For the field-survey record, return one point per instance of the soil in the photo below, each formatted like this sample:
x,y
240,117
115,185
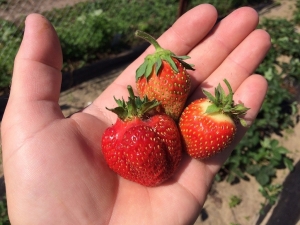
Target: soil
x,y
216,210
13,9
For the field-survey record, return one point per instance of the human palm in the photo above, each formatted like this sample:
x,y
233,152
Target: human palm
x,y
54,169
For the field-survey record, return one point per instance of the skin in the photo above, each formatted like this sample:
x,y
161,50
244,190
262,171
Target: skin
x,y
53,166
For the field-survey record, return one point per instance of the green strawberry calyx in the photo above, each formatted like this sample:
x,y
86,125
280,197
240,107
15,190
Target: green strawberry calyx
x,y
222,103
157,58
134,107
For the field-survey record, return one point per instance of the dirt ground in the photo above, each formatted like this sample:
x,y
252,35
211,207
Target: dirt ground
x,y
216,210
13,9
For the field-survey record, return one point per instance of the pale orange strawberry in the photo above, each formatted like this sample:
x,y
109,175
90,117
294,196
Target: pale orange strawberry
x,y
163,77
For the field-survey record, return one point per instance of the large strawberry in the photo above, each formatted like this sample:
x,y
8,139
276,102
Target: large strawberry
x,y
163,77
143,145
208,125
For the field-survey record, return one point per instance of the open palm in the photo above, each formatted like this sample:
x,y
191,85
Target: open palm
x,y
54,169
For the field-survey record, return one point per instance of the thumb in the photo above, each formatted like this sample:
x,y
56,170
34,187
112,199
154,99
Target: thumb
x,y
36,81
38,63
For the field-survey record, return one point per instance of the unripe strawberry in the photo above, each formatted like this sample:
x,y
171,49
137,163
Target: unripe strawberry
x,y
163,77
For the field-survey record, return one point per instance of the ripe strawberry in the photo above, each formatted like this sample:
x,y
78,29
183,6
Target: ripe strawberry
x,y
208,125
143,145
163,77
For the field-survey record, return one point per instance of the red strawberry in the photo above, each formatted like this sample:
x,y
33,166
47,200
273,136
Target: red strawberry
x,y
163,77
143,145
208,125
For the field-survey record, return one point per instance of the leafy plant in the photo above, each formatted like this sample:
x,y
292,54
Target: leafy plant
x,y
274,155
4,220
297,13
271,193
89,31
224,7
10,40
3,2
234,201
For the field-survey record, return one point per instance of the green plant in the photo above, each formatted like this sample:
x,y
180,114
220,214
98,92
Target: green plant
x,y
234,201
269,157
10,40
3,2
297,12
90,31
271,193
224,7
4,220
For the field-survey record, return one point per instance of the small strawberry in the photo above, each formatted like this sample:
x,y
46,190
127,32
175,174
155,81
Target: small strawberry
x,y
163,77
208,125
143,145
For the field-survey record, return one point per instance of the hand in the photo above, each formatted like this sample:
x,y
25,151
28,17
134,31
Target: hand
x,y
54,170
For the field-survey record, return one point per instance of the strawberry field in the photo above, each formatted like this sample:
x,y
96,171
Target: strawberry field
x,y
109,29
91,30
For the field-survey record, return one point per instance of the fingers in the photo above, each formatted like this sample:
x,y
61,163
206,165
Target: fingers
x,y
238,65
187,31
184,35
221,41
38,62
243,60
234,58
36,81
181,38
193,34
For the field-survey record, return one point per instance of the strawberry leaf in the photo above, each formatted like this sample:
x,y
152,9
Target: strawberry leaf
x,y
243,122
182,57
149,68
120,111
156,58
158,65
212,109
185,65
141,70
225,104
134,107
169,60
210,97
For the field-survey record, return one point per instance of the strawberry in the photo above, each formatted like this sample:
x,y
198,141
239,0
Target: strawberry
x,y
208,125
162,76
143,145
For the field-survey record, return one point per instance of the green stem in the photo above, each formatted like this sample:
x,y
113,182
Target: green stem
x,y
130,91
148,38
132,107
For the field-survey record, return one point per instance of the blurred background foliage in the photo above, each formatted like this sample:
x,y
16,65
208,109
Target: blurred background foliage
x,y
91,30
